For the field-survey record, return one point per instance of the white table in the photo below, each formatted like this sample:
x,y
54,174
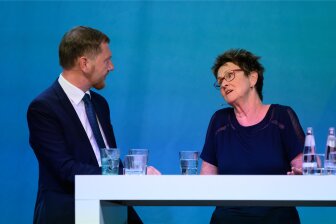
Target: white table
x,y
103,199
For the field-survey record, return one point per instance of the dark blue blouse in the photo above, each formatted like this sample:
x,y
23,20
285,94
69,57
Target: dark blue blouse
x,y
264,148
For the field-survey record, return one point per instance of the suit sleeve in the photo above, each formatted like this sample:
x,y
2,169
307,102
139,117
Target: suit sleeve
x,y
49,144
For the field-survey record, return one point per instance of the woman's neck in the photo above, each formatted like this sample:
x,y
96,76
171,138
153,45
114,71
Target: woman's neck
x,y
250,113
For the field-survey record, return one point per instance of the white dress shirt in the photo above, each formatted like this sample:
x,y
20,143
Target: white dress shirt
x,y
75,96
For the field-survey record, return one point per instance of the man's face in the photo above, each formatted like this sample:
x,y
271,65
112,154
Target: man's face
x,y
101,65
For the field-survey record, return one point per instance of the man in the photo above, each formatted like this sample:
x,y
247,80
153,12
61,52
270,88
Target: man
x,y
62,135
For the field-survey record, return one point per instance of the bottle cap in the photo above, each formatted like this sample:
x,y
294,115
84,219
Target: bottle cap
x,y
309,130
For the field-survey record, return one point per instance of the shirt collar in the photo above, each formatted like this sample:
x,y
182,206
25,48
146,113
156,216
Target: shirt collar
x,y
74,93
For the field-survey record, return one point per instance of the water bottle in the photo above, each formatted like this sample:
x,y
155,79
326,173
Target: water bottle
x,y
309,164
330,153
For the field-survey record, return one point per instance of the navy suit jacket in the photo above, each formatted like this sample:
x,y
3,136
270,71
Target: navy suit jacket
x,y
63,150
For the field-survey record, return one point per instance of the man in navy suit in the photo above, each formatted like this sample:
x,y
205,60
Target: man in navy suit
x,y
60,133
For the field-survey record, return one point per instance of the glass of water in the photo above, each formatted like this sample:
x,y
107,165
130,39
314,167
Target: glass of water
x,y
110,161
140,152
330,164
135,164
188,162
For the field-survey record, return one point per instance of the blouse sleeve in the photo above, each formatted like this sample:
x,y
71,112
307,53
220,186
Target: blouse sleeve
x,y
209,153
292,134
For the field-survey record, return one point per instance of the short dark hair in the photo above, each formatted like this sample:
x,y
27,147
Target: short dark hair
x,y
80,41
247,61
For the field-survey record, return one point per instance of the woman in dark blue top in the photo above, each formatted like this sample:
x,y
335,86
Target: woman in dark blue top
x,y
250,137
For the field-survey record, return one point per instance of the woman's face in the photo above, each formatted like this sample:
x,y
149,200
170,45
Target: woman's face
x,y
234,84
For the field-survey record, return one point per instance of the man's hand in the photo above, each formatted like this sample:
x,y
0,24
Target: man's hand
x,y
152,171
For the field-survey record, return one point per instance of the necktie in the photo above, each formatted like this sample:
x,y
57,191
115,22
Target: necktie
x,y
91,115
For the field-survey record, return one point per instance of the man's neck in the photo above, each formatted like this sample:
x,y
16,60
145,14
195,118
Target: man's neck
x,y
76,78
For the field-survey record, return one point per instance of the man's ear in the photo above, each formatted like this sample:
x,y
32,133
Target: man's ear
x,y
253,78
83,63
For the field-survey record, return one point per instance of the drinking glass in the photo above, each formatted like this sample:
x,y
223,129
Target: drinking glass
x,y
188,162
330,164
140,152
110,161
135,165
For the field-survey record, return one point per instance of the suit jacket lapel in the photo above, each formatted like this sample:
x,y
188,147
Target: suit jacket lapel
x,y
66,104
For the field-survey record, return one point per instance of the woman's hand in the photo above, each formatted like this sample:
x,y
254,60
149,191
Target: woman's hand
x,y
295,171
296,164
208,169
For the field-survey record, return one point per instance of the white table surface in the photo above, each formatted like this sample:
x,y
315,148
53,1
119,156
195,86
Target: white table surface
x,y
208,190
102,199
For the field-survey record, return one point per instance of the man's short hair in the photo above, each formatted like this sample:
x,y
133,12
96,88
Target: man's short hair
x,y
78,42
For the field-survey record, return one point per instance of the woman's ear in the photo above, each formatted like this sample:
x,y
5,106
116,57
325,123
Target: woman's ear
x,y
253,78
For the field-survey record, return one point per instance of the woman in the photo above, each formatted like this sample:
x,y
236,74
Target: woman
x,y
250,137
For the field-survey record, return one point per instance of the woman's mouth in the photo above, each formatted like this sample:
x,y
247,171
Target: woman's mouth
x,y
228,91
